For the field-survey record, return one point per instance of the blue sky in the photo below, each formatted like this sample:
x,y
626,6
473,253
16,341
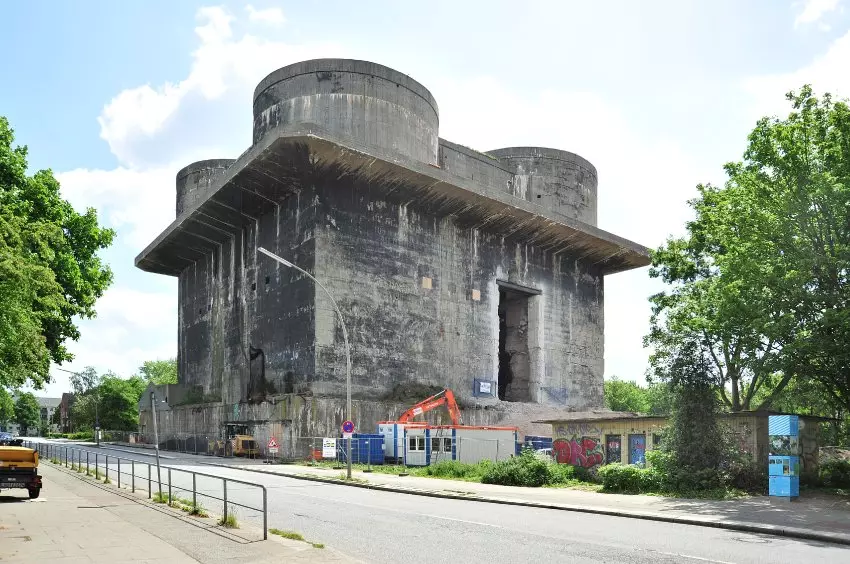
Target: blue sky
x,y
115,97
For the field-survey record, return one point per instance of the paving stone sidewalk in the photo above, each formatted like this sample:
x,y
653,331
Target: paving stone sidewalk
x,y
76,521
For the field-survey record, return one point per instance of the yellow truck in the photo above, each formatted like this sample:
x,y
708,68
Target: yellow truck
x,y
19,469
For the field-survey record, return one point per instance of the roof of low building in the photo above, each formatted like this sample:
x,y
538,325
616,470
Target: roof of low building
x,y
580,416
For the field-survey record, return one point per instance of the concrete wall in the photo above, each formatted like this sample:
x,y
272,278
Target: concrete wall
x,y
297,421
367,102
558,180
194,181
236,304
420,296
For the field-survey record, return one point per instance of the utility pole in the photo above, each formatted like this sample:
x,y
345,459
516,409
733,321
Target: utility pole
x,y
156,443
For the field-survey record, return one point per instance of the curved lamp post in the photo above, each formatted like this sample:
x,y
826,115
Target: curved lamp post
x,y
285,262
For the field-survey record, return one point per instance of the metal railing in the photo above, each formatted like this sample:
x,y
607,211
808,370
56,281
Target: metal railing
x,y
172,480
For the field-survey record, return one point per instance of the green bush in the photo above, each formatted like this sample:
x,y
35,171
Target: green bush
x,y
523,470
835,473
626,478
457,470
561,473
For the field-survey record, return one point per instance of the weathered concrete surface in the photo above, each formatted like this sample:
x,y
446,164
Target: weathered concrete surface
x,y
413,235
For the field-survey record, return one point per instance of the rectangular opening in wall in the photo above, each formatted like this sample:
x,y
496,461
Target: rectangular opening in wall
x,y
514,365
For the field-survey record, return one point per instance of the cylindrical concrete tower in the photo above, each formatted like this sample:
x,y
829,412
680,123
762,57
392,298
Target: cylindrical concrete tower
x,y
556,179
367,102
194,180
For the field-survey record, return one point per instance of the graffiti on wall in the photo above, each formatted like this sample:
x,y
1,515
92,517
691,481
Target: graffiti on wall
x,y
573,430
579,451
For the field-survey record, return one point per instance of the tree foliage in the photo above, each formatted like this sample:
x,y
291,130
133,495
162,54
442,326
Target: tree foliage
x,y
27,412
759,283
50,272
108,399
7,407
159,371
622,395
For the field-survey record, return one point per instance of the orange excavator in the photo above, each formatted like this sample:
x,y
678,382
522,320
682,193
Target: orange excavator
x,y
446,397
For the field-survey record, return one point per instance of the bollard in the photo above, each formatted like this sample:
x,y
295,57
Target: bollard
x,y
169,485
224,481
149,481
368,457
107,467
87,463
133,477
194,490
265,515
119,473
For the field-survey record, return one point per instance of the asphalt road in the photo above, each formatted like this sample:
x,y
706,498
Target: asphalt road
x,y
384,527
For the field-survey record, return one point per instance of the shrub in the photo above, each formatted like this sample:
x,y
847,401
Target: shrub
x,y
523,470
835,473
748,476
625,478
561,473
457,470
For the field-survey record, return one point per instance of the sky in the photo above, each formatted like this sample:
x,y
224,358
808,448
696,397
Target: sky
x,y
116,97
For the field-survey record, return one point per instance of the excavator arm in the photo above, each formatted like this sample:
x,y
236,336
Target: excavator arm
x,y
446,397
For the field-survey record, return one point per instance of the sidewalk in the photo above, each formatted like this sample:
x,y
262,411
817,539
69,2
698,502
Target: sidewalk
x,y
824,518
76,521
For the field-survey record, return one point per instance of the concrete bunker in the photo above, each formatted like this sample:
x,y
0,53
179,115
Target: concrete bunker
x,y
349,179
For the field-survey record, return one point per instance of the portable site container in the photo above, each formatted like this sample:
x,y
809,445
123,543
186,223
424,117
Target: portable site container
x,y
428,445
365,449
393,433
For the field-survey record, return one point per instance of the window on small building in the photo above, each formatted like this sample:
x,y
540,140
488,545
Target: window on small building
x,y
447,445
416,443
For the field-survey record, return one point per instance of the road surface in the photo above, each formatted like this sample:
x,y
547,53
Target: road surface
x,y
386,527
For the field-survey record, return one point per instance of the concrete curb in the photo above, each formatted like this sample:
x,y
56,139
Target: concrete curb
x,y
775,530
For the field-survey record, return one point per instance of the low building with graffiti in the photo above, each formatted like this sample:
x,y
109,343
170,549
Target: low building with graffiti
x,y
592,438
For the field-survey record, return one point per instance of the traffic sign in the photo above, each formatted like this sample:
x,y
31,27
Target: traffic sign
x,y
348,427
273,446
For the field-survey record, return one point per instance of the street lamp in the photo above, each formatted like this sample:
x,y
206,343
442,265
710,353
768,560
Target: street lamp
x,y
285,262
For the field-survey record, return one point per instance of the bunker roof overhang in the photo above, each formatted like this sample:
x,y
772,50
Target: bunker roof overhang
x,y
291,157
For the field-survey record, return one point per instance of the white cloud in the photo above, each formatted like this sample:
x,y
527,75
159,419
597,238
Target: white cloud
x,y
146,126
272,16
138,204
814,11
827,73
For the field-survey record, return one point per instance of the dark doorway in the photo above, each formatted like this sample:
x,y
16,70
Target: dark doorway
x,y
514,366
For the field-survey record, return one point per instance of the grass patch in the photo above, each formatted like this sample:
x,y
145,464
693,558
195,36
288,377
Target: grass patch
x,y
292,535
230,521
106,480
160,497
345,478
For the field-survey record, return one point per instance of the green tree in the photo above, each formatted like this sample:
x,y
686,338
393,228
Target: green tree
x,y
27,413
7,408
159,371
622,395
759,283
659,397
113,401
693,439
50,273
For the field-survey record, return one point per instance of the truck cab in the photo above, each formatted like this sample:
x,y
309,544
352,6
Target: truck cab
x,y
19,470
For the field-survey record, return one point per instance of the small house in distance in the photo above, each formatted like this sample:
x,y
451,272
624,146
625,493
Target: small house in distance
x,y
592,438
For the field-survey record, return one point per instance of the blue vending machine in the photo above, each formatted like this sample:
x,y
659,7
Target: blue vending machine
x,y
784,457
